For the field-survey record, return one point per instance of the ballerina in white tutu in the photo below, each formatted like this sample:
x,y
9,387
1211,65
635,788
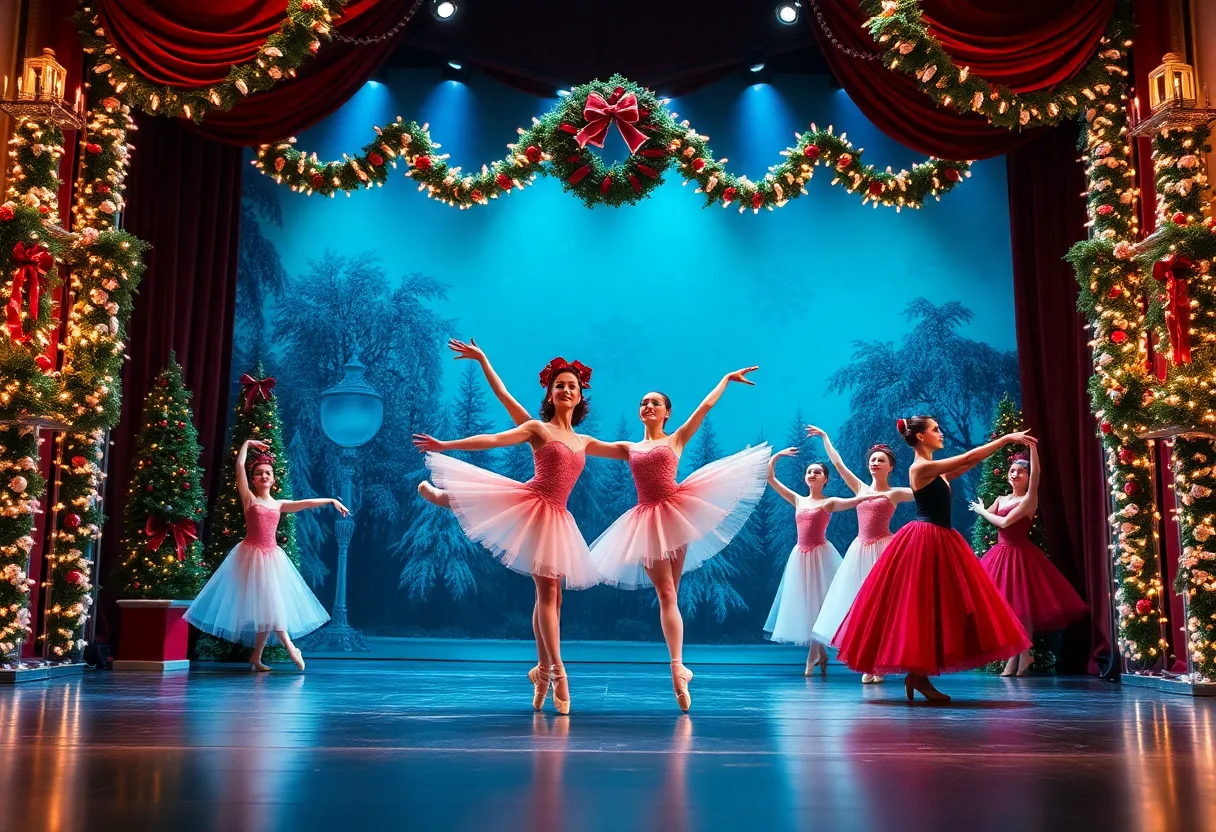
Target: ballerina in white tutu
x,y
812,564
873,535
257,591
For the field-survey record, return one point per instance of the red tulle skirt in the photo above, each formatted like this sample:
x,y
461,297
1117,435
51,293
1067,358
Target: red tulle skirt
x,y
928,607
1042,599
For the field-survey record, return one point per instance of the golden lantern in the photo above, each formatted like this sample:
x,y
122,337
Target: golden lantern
x,y
40,93
1172,84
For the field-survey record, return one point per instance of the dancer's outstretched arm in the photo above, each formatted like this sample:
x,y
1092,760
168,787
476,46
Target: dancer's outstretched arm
x,y
292,506
843,503
850,479
686,431
953,467
529,430
242,477
784,491
1025,508
608,450
518,413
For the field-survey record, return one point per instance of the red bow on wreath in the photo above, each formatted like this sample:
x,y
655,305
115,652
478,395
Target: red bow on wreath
x,y
1173,271
560,365
32,265
255,389
183,532
600,115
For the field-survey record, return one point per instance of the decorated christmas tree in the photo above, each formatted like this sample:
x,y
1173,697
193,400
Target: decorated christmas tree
x,y
162,556
994,477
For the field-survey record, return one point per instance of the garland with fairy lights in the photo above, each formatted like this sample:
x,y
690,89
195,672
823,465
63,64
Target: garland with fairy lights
x,y
899,27
1120,388
305,24
557,144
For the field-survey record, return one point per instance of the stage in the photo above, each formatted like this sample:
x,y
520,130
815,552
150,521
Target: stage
x,y
455,745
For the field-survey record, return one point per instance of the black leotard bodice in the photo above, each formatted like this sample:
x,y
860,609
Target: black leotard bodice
x,y
933,502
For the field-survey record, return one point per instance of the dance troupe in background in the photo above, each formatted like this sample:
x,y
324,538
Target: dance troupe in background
x,y
917,602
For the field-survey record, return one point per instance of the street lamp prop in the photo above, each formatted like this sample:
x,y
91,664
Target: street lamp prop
x,y
351,415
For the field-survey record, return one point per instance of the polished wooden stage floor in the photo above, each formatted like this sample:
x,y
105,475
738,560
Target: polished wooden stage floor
x,y
455,746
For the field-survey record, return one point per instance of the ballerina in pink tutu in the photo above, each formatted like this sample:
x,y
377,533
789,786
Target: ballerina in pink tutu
x,y
257,591
676,527
813,562
1041,597
527,525
873,535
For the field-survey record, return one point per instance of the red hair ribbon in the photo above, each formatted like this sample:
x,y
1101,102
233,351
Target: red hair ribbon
x,y
256,389
901,425
561,365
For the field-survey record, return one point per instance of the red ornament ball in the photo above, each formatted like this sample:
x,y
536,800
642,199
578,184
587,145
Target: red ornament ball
x,y
844,161
6,213
698,165
44,210
504,181
729,195
996,472
317,181
533,154
1105,427
148,487
75,577
811,151
101,188
476,195
1144,606
952,174
757,200
92,147
185,486
79,462
375,158
1126,456
875,188
1118,336
135,585
71,521
181,424
164,423
1130,488
1105,210
1114,292
423,163
1179,218
162,381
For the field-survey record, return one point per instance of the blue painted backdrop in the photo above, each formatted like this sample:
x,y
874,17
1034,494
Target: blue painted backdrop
x,y
855,316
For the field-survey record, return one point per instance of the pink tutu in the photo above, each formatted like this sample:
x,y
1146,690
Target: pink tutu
x,y
525,525
257,589
700,515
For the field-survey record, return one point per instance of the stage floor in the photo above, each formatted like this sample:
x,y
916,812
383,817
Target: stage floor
x,y
456,746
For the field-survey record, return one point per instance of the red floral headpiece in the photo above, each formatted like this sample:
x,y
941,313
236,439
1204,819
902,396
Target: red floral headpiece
x,y
561,365
901,425
261,459
1020,459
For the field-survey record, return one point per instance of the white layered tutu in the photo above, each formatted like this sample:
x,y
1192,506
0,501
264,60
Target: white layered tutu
x,y
858,561
256,590
804,585
700,515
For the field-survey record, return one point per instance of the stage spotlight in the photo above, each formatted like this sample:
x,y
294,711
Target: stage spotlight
x,y
456,65
788,13
443,9
756,67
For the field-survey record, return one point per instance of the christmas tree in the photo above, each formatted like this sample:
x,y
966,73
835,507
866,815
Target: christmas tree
x,y
162,555
994,477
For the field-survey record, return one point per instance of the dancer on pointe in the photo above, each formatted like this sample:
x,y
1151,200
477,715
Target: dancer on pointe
x,y
928,606
527,525
812,564
873,535
257,591
1042,598
676,527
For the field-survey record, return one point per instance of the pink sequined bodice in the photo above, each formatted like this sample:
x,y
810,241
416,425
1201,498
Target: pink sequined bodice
x,y
261,523
874,519
654,473
557,470
812,527
1019,532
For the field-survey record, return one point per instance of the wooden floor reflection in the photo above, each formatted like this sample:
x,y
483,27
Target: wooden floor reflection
x,y
456,746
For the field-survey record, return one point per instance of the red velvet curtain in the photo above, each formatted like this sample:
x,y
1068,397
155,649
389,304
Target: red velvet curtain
x,y
1046,216
1038,40
192,45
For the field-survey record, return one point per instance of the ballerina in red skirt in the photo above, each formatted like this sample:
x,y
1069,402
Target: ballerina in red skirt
x,y
928,607
1042,598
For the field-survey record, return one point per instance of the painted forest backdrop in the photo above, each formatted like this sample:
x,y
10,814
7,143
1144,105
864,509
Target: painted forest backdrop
x,y
855,317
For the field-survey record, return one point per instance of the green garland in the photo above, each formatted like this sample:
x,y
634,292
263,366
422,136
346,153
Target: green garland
x,y
305,24
105,157
550,146
21,484
899,27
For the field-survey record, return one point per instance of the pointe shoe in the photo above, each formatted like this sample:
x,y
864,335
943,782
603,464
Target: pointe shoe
x,y
540,687
1010,666
556,676
875,679
867,679
680,677
258,667
1024,669
297,658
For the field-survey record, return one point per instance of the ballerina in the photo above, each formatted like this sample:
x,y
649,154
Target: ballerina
x,y
257,591
1042,598
676,527
928,606
812,564
527,525
873,536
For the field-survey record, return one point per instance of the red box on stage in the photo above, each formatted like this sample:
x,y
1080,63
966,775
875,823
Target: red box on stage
x,y
154,636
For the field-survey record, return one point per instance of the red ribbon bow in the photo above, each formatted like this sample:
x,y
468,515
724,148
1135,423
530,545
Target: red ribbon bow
x,y
600,115
32,265
183,532
559,365
254,389
1173,271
